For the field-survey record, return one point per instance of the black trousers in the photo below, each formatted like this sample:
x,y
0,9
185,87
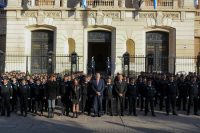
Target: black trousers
x,y
171,101
149,101
120,104
182,100
23,105
83,103
193,100
109,105
142,103
132,104
5,105
161,100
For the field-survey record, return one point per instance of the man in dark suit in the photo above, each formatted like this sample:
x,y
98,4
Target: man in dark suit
x,y
120,88
98,88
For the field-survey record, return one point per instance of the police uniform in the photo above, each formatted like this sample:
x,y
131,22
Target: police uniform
x,y
108,93
193,94
6,93
171,94
132,93
150,92
24,94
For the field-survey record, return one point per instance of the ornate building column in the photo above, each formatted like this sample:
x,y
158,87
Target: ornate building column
x,y
64,3
116,3
57,3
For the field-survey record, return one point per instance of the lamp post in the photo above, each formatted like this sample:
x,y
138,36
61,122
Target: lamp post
x,y
50,62
126,57
74,58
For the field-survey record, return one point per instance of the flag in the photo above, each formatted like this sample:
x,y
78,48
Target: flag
x,y
84,4
2,4
155,4
196,3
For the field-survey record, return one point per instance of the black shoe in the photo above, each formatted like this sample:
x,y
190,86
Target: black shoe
x,y
145,114
25,115
196,114
8,115
99,115
122,114
76,115
2,114
135,114
174,113
73,115
153,115
167,114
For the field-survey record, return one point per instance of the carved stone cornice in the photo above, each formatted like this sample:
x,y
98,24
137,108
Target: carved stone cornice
x,y
50,14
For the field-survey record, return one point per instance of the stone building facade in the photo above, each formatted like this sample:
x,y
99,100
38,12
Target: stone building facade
x,y
106,28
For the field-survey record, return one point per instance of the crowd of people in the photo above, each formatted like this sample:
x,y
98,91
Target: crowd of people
x,y
97,95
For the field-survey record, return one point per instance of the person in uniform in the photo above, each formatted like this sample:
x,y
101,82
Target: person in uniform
x,y
108,92
98,88
6,93
182,88
161,90
193,95
141,87
76,97
41,97
15,100
149,94
37,96
33,95
84,88
132,93
24,95
171,95
120,88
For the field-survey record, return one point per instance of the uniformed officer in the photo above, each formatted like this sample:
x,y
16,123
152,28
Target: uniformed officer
x,y
162,89
24,94
141,87
193,95
132,93
120,88
6,93
171,94
150,92
182,88
108,92
84,88
15,100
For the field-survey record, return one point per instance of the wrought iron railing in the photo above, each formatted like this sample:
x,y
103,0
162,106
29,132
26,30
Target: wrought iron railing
x,y
160,3
95,3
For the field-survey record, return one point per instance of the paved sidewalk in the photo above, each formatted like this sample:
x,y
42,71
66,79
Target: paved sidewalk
x,y
105,124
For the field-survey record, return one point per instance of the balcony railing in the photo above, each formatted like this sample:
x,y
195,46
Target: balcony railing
x,y
95,3
44,2
160,3
39,2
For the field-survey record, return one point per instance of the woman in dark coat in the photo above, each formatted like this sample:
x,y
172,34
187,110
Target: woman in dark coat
x,y
76,97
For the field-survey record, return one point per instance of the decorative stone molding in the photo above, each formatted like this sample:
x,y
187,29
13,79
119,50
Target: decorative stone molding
x,y
99,18
160,18
50,14
94,14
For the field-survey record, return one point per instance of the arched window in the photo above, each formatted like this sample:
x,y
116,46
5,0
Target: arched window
x,y
130,48
71,43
